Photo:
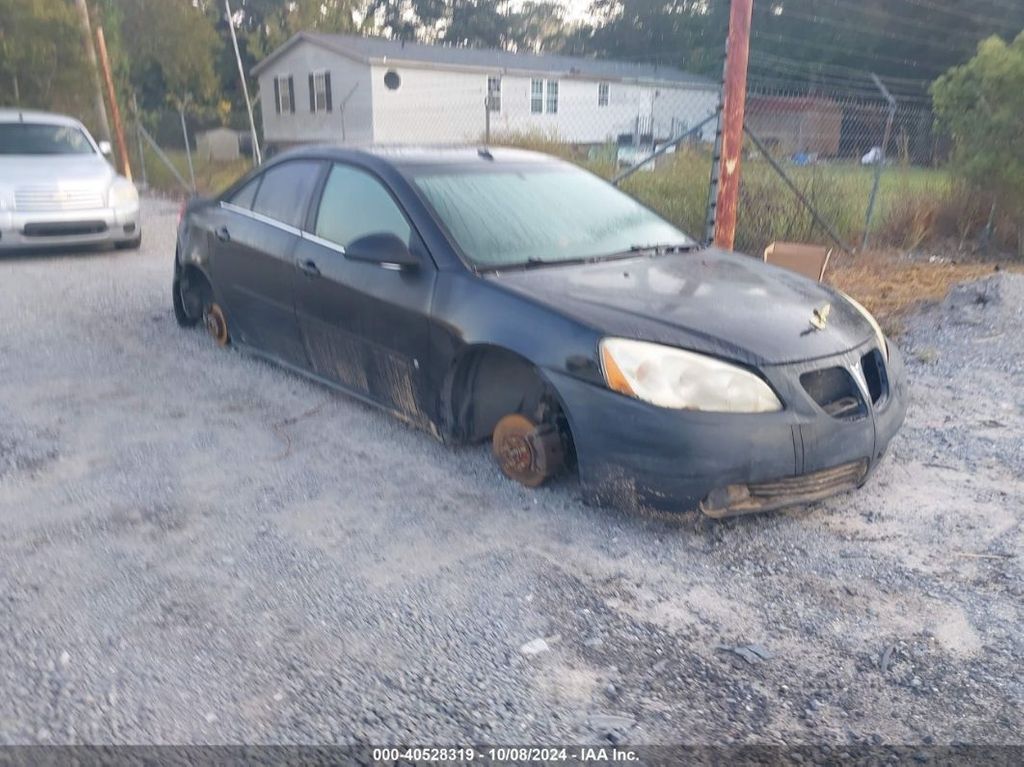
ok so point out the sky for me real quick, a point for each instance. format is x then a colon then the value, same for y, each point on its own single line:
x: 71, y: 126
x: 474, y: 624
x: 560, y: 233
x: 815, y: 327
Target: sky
x: 575, y: 9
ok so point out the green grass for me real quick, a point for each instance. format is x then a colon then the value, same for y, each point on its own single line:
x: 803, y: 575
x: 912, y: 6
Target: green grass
x: 211, y: 177
x: 769, y: 210
x: 913, y: 204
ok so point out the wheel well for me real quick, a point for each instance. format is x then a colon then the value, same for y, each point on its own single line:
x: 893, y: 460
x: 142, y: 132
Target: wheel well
x: 488, y: 383
x: 196, y: 290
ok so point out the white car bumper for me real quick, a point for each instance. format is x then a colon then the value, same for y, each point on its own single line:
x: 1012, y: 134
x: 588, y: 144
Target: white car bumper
x: 69, y: 228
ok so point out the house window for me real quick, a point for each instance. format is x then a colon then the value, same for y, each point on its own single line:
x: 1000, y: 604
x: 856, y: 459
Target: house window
x: 494, y: 94
x: 537, y: 96
x: 392, y: 80
x: 552, y: 96
x: 284, y: 94
x: 320, y: 92
x: 602, y: 94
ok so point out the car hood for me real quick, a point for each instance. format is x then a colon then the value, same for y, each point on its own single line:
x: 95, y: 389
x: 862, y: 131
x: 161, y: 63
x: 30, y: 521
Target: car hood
x: 72, y: 170
x: 711, y: 301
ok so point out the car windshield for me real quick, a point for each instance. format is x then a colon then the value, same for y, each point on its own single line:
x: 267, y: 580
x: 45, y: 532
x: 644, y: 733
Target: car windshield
x: 519, y: 216
x: 43, y: 139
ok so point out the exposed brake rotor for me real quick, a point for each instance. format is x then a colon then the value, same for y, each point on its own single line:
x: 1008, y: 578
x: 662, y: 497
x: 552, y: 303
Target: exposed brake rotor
x: 527, y: 452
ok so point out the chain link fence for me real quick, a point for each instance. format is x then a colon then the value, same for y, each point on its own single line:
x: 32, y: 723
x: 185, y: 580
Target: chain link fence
x: 852, y: 167
x: 179, y: 152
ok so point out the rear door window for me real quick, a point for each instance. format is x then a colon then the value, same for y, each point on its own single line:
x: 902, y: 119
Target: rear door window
x: 245, y: 196
x: 285, y: 191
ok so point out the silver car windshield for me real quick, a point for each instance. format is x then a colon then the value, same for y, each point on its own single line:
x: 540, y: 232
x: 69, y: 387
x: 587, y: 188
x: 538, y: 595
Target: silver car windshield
x: 509, y: 217
x: 43, y: 139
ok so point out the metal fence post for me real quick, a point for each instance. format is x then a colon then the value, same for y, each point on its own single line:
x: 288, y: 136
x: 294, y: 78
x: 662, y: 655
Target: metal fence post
x: 716, y: 170
x: 188, y: 148
x: 138, y: 140
x: 872, y: 201
x: 487, y: 120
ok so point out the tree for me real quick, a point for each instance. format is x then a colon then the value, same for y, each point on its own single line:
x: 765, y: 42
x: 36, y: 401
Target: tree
x: 42, y: 63
x: 504, y: 24
x: 981, y: 104
x: 683, y: 33
x: 171, y: 46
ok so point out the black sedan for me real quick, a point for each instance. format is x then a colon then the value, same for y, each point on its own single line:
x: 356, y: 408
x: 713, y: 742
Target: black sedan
x: 509, y: 296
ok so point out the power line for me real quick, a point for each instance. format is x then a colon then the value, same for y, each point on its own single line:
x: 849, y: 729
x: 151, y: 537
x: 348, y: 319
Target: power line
x: 848, y: 87
x: 968, y: 15
x: 826, y: 21
x: 839, y: 69
x: 917, y: 24
x: 874, y: 57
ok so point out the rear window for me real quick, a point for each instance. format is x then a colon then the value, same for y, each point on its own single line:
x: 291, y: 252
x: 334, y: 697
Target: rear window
x: 43, y: 139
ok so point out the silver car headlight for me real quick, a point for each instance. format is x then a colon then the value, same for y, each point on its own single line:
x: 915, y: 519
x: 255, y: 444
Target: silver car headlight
x: 123, y: 194
x: 883, y: 344
x: 681, y: 380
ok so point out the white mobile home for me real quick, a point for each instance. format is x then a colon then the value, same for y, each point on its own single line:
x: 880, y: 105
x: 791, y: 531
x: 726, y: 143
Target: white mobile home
x: 362, y: 90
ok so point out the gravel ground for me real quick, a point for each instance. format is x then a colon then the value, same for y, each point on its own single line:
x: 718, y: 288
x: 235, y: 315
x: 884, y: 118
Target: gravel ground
x: 199, y: 547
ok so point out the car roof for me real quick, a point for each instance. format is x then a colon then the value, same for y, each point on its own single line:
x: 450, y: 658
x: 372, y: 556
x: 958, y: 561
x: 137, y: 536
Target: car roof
x: 413, y: 157
x: 32, y: 116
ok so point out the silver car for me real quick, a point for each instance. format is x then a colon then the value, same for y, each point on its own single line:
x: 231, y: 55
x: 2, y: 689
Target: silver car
x: 57, y: 188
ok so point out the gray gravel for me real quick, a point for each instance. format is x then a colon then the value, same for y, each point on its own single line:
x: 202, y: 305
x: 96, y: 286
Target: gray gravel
x: 183, y: 562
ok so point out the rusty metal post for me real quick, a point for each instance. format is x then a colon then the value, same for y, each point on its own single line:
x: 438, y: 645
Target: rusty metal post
x: 90, y: 56
x: 734, y: 107
x: 108, y: 77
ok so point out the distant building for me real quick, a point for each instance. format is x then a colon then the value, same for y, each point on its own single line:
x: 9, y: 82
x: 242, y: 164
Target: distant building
x: 796, y: 125
x: 361, y: 90
x: 219, y: 144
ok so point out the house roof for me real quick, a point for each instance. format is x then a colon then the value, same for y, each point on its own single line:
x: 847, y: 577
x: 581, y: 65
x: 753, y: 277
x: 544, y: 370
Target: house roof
x: 378, y: 50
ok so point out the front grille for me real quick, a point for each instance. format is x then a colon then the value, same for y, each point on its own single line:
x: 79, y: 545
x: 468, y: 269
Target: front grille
x: 836, y: 393
x: 64, y: 229
x: 827, y: 481
x: 791, y: 491
x: 35, y: 199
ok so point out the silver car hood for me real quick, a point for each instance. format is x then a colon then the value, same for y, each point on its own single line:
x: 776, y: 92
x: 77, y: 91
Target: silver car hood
x: 85, y: 170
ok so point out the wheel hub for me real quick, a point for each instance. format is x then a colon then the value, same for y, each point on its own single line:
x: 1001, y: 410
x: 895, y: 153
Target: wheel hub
x: 216, y: 324
x: 526, y: 452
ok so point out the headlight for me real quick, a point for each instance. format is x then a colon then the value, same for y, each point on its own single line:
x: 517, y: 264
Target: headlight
x: 682, y: 380
x: 883, y: 345
x: 123, y: 194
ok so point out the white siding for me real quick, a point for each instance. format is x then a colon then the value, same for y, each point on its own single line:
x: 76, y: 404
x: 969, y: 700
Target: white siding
x: 580, y: 120
x: 437, y: 106
x: 350, y: 120
x: 429, y: 107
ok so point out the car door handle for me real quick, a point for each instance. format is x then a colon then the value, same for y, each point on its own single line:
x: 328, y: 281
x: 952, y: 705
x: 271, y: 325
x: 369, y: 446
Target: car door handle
x: 223, y: 234
x: 309, y: 268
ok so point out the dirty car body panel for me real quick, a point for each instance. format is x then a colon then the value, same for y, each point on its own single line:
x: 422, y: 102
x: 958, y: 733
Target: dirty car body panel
x: 400, y: 335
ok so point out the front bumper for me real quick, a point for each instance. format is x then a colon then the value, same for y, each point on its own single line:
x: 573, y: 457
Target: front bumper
x: 21, y: 230
x: 632, y: 454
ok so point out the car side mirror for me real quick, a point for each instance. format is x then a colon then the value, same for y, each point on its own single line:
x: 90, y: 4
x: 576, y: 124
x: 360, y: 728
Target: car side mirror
x: 385, y: 249
x: 105, y: 148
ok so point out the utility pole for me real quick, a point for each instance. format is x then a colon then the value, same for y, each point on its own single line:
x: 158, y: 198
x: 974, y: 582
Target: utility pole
x: 734, y: 108
x: 90, y: 55
x: 115, y: 110
x: 257, y: 155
